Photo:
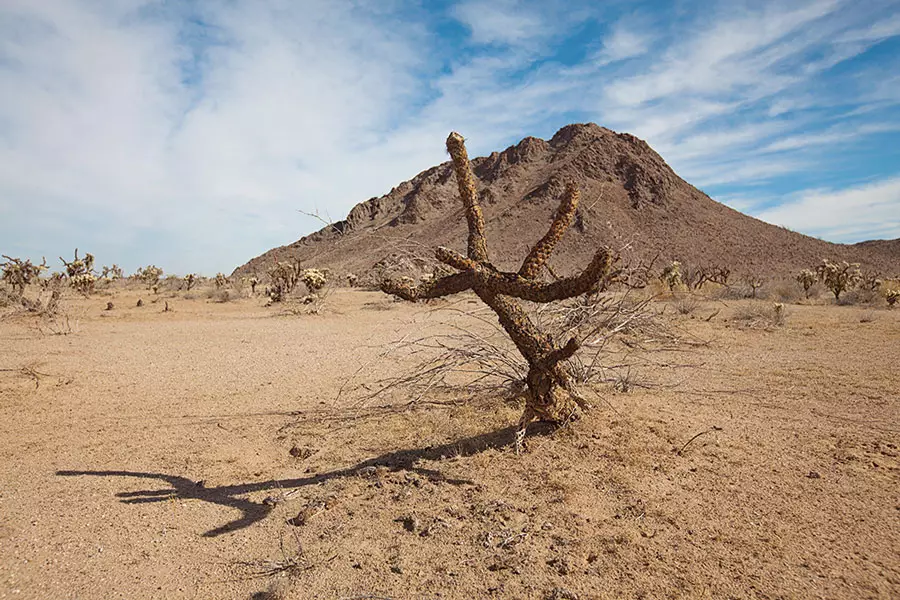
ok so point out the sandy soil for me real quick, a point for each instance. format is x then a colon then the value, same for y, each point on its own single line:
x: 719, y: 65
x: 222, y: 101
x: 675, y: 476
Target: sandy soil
x: 137, y: 454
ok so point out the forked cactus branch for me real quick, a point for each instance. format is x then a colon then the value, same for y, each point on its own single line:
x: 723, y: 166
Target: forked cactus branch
x: 551, y: 393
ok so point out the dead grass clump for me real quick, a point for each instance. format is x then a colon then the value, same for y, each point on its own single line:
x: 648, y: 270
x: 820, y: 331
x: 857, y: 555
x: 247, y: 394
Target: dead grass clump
x: 219, y: 295
x: 859, y: 297
x: 760, y: 315
x: 786, y: 291
x: 687, y: 305
x: 868, y: 316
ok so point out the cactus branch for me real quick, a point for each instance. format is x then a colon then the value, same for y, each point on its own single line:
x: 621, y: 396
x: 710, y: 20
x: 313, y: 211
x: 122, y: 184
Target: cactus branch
x: 465, y: 179
x: 542, y: 250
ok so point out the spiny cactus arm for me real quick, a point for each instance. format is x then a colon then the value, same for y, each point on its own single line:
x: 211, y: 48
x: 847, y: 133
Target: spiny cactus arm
x: 513, y: 284
x: 529, y: 340
x: 444, y: 286
x: 465, y: 179
x: 541, y: 251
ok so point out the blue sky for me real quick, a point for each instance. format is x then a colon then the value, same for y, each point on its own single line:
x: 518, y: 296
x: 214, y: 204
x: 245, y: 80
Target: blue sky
x: 187, y: 134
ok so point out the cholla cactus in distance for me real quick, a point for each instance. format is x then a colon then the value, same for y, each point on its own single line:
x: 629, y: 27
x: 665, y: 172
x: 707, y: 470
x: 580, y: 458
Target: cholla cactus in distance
x: 807, y: 278
x: 83, y: 283
x: 189, y: 280
x: 314, y: 279
x: 221, y: 281
x: 79, y: 266
x: 839, y: 277
x: 150, y: 276
x: 892, y: 297
x: 671, y: 275
x: 112, y: 273
x: 18, y: 273
x: 253, y: 281
x: 284, y: 276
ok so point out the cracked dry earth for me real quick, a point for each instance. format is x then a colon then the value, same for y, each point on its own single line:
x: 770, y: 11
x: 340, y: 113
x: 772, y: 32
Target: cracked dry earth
x: 206, y: 453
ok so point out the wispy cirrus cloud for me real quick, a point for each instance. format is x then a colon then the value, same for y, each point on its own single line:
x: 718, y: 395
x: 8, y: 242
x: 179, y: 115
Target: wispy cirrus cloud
x: 188, y: 134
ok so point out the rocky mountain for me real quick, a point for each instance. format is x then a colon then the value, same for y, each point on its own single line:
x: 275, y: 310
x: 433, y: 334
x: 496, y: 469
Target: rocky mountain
x: 630, y: 200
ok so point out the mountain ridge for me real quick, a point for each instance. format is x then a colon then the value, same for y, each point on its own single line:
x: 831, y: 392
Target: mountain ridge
x: 631, y: 199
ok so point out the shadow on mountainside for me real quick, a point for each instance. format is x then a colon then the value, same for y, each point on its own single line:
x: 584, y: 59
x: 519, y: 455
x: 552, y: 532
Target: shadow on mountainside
x: 184, y: 488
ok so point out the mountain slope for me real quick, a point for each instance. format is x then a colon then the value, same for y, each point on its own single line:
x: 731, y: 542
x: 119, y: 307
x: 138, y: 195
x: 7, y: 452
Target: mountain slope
x: 630, y: 199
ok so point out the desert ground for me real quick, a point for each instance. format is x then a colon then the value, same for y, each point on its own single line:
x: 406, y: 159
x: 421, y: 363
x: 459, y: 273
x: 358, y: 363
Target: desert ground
x: 233, y: 450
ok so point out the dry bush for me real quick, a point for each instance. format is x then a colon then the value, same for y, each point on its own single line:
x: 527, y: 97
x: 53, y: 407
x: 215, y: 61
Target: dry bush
x: 219, y: 295
x: 868, y: 316
x: 860, y: 296
x: 687, y: 304
x: 760, y: 315
x: 784, y: 290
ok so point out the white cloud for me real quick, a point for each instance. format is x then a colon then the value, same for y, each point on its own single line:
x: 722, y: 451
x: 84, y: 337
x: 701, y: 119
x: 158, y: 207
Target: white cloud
x: 499, y: 21
x: 849, y: 215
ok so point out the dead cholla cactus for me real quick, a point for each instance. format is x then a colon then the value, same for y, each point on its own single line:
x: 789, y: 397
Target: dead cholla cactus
x: 551, y: 393
x: 83, y: 283
x: 284, y: 276
x: 352, y: 279
x: 671, y: 275
x: 807, y: 278
x: 112, y: 273
x: 18, y: 273
x: 892, y: 296
x: 221, y: 281
x: 190, y: 280
x: 839, y: 277
x: 253, y: 281
x: 314, y: 280
x: 150, y: 276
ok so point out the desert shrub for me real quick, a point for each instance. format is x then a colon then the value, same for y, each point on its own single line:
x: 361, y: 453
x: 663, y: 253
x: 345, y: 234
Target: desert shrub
x: 284, y: 277
x: 671, y: 275
x: 859, y: 296
x: 149, y: 275
x: 784, y: 291
x: 839, y: 277
x: 760, y: 314
x: 18, y: 273
x: 686, y: 305
x: 807, y: 278
x: 221, y: 281
x: 221, y: 296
